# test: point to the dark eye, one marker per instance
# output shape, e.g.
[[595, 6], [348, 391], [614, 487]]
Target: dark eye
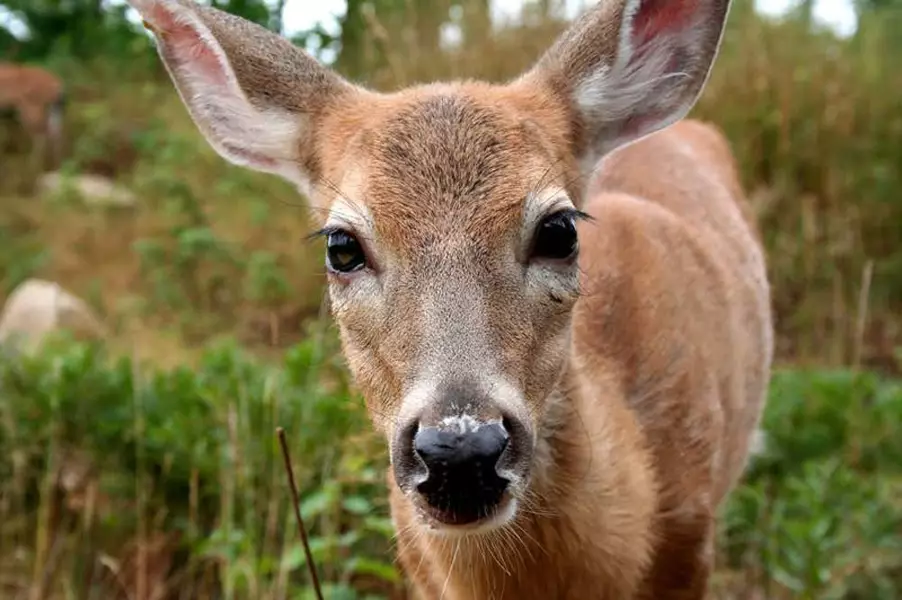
[[555, 237], [343, 252]]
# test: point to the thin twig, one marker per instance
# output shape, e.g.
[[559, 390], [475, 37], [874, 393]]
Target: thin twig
[[297, 513], [864, 294]]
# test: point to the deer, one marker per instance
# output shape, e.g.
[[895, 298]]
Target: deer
[[550, 291], [38, 97]]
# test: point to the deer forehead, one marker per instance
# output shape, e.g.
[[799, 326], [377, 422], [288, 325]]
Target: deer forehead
[[447, 164]]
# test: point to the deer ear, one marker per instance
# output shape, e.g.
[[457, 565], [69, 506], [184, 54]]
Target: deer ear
[[255, 97], [628, 68]]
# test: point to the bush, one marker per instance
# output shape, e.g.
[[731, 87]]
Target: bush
[[193, 454], [819, 514]]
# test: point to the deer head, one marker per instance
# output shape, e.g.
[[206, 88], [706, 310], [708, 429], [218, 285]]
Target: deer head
[[450, 215]]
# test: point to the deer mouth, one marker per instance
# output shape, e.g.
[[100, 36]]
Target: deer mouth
[[453, 521]]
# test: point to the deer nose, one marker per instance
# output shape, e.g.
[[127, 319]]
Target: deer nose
[[462, 482]]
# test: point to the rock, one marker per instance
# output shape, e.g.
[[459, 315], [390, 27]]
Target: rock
[[37, 308], [94, 190]]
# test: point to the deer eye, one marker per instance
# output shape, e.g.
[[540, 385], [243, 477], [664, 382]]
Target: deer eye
[[555, 237], [344, 253]]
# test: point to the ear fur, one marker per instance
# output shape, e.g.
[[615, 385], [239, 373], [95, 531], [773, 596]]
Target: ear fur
[[628, 68], [255, 97]]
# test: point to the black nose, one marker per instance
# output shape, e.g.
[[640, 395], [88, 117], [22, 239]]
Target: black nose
[[462, 483]]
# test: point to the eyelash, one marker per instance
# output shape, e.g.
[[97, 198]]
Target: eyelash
[[573, 213], [325, 232]]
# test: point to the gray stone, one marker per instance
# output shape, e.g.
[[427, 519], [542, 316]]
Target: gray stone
[[37, 308], [93, 190]]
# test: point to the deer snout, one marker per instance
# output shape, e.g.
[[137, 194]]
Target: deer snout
[[461, 471], [462, 480], [462, 452]]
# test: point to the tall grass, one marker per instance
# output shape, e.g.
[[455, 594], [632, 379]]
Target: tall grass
[[105, 460], [816, 124]]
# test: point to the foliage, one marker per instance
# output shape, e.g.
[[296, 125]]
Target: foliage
[[819, 514], [194, 452], [77, 28], [816, 130], [87, 29], [21, 255]]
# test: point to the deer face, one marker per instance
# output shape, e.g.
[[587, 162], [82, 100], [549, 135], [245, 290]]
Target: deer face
[[449, 215], [452, 262]]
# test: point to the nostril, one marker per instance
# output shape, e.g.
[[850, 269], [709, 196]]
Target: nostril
[[482, 446], [408, 434], [494, 441], [406, 465], [508, 424]]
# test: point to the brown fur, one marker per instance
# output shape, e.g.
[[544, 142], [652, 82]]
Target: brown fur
[[34, 94], [641, 371], [661, 264]]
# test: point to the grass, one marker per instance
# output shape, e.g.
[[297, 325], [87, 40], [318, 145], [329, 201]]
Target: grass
[[159, 448], [100, 455]]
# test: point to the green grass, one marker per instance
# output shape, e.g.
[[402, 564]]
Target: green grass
[[99, 452]]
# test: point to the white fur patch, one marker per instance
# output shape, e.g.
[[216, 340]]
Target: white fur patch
[[348, 213], [425, 391], [461, 424]]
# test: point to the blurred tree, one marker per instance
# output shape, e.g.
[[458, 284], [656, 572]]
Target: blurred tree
[[429, 15], [410, 26], [275, 18], [82, 29], [353, 31], [409, 23], [257, 11], [75, 28], [863, 6], [477, 20]]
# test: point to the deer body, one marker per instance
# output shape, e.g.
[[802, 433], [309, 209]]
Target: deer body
[[38, 97], [666, 399], [550, 294]]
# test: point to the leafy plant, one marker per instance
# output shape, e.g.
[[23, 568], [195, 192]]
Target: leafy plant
[[194, 451]]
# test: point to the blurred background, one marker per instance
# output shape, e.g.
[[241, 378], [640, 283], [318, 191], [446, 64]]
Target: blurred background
[[172, 314]]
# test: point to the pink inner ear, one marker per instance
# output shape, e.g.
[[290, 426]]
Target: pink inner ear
[[202, 72], [655, 17], [187, 46]]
